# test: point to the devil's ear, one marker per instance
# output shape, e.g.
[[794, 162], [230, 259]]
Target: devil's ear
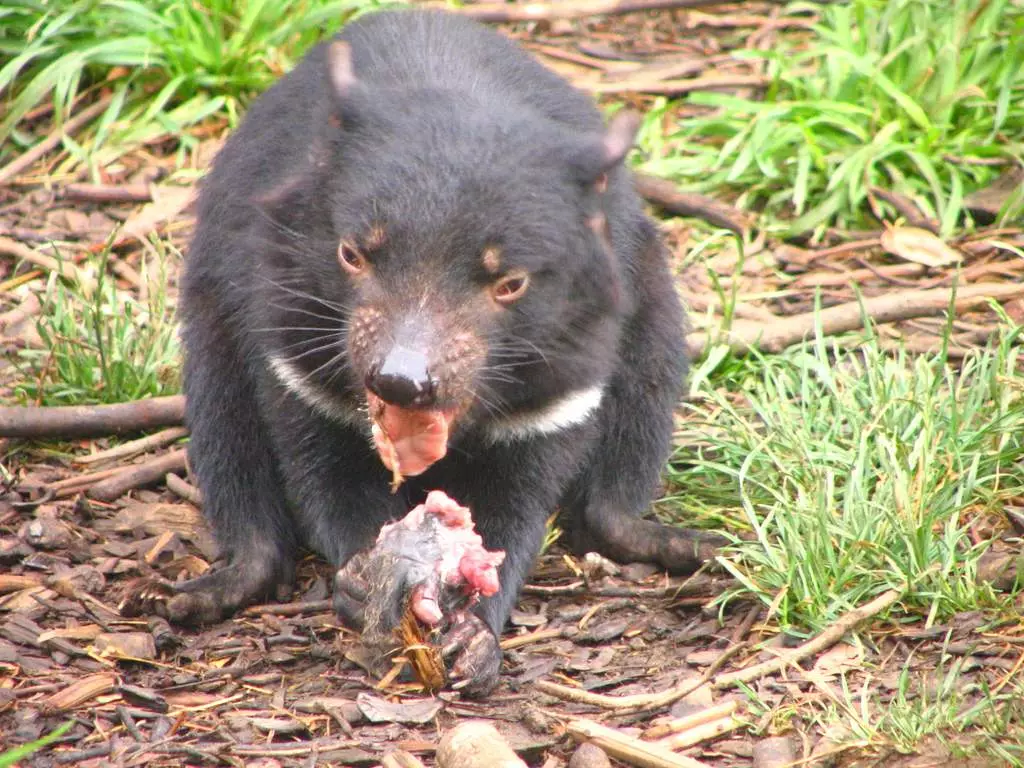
[[340, 69], [600, 154], [348, 92]]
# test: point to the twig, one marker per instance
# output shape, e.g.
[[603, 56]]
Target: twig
[[289, 609], [28, 157], [137, 476], [183, 489], [65, 268], [72, 485], [129, 723], [293, 750], [81, 755], [907, 208], [690, 587], [826, 639], [628, 749], [850, 316], [699, 733], [680, 724], [664, 194], [134, 447], [76, 421], [567, 9], [107, 193], [676, 87]]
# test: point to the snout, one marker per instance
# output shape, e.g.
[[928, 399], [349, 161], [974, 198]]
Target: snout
[[403, 378]]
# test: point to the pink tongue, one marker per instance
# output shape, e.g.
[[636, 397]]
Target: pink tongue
[[414, 439]]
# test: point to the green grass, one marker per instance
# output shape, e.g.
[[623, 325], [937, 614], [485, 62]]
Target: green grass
[[103, 346], [854, 471], [168, 63], [12, 756], [882, 93]]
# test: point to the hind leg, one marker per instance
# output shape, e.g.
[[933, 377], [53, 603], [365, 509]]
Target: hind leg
[[231, 456], [608, 498]]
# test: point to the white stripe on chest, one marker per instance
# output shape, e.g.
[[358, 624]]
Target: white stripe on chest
[[313, 396], [570, 410]]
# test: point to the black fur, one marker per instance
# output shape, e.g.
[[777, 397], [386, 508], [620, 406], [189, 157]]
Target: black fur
[[450, 139]]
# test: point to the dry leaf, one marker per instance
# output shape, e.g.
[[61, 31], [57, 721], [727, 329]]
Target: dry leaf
[[382, 711], [919, 246], [840, 658], [125, 645], [167, 203]]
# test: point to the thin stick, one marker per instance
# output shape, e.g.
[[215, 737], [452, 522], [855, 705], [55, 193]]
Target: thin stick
[[850, 316], [76, 421], [629, 750], [65, 268], [700, 733], [70, 127], [134, 447], [826, 639], [676, 87], [108, 193], [183, 489], [137, 476], [680, 724]]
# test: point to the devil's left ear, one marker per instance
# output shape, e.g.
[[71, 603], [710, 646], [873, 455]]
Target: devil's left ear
[[599, 155]]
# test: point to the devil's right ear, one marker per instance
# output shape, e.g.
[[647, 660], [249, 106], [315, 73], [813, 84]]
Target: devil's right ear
[[346, 88]]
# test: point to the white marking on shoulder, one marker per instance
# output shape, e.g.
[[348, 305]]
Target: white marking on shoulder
[[571, 410], [310, 394]]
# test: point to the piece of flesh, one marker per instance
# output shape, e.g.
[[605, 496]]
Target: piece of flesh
[[408, 440], [437, 542]]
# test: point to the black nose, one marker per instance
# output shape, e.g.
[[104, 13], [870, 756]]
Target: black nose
[[403, 379]]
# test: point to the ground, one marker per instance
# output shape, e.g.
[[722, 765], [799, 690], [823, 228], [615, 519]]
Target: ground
[[282, 684]]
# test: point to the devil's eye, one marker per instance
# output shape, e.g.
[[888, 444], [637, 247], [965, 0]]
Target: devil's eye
[[511, 287], [351, 258]]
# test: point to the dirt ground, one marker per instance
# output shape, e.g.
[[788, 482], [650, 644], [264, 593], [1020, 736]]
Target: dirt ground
[[282, 684]]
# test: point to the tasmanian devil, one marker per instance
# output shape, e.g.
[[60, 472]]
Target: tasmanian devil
[[421, 228]]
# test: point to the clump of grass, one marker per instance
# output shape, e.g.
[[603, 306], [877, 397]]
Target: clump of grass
[[902, 94], [157, 56], [856, 471], [103, 346]]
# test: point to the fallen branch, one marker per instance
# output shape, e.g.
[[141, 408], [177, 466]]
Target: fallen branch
[[137, 476], [889, 308], [826, 639], [78, 421], [628, 749], [567, 9], [69, 128], [664, 194]]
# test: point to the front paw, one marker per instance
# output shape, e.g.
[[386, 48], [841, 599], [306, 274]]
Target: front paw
[[474, 655]]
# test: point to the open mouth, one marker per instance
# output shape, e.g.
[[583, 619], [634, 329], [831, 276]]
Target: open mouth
[[408, 440]]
